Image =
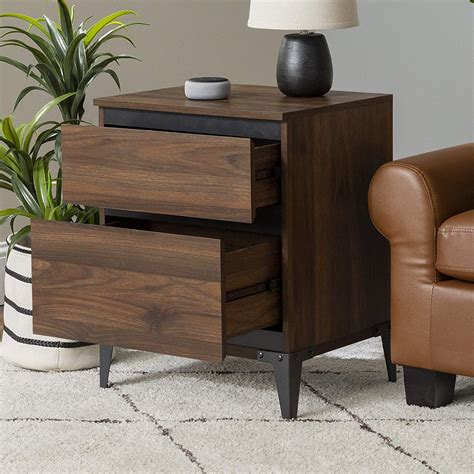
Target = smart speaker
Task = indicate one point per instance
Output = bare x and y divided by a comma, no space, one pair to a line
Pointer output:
207,88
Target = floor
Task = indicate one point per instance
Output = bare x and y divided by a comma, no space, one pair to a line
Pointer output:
165,414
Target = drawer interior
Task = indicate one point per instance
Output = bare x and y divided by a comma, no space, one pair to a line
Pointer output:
251,261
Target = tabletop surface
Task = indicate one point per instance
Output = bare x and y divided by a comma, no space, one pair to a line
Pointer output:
246,101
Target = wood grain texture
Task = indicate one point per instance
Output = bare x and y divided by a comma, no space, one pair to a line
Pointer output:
267,163
149,290
129,288
253,264
161,172
246,101
335,264
251,313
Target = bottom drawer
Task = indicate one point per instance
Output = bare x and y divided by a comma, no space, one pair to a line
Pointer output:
153,286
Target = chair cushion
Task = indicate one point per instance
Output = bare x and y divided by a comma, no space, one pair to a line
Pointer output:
456,247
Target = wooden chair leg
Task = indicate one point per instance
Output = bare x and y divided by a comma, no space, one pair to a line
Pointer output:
428,388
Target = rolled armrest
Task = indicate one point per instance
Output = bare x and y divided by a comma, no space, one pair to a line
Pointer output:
408,201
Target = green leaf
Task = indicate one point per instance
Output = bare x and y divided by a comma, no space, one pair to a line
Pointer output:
18,211
52,81
46,108
9,132
37,54
25,92
20,66
101,24
69,62
18,237
90,76
10,163
48,49
114,76
66,21
26,198
56,38
30,20
59,186
6,186
111,35
4,167
42,180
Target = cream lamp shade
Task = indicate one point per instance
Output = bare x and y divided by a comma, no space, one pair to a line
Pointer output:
303,14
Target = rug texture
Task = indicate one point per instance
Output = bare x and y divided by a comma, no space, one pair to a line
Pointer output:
166,414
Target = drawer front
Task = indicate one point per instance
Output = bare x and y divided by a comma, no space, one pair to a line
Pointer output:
178,174
163,288
128,288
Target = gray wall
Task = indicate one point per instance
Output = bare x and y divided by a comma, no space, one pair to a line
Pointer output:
419,50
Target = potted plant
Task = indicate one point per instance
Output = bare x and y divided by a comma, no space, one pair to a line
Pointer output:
67,59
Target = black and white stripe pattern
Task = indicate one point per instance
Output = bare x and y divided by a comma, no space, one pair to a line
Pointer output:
17,276
20,344
18,308
42,343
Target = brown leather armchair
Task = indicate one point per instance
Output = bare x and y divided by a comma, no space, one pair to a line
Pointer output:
424,206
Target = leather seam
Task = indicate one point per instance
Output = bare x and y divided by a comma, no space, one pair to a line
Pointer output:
431,324
460,230
455,268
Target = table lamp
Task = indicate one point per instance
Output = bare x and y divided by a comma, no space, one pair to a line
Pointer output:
304,63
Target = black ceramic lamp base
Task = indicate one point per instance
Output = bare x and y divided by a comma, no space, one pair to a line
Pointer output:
304,65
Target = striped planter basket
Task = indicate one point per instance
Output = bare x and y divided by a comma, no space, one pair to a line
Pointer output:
20,345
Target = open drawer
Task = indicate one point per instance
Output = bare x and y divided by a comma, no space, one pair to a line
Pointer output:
179,174
153,286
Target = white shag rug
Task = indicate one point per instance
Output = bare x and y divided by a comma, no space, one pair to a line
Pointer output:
172,415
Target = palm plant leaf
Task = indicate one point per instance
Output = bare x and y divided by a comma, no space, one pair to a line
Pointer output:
66,17
43,184
26,197
30,20
9,132
25,92
45,45
111,35
104,22
70,61
67,58
18,211
56,38
21,67
32,126
17,237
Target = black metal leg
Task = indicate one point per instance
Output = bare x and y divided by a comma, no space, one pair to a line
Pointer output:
287,369
391,368
428,388
105,361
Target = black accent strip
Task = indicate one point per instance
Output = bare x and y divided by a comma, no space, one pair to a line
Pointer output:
36,342
12,304
22,250
189,123
17,276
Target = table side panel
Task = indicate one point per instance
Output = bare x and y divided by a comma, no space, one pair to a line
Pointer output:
335,264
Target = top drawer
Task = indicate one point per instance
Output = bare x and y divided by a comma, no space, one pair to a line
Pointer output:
180,174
